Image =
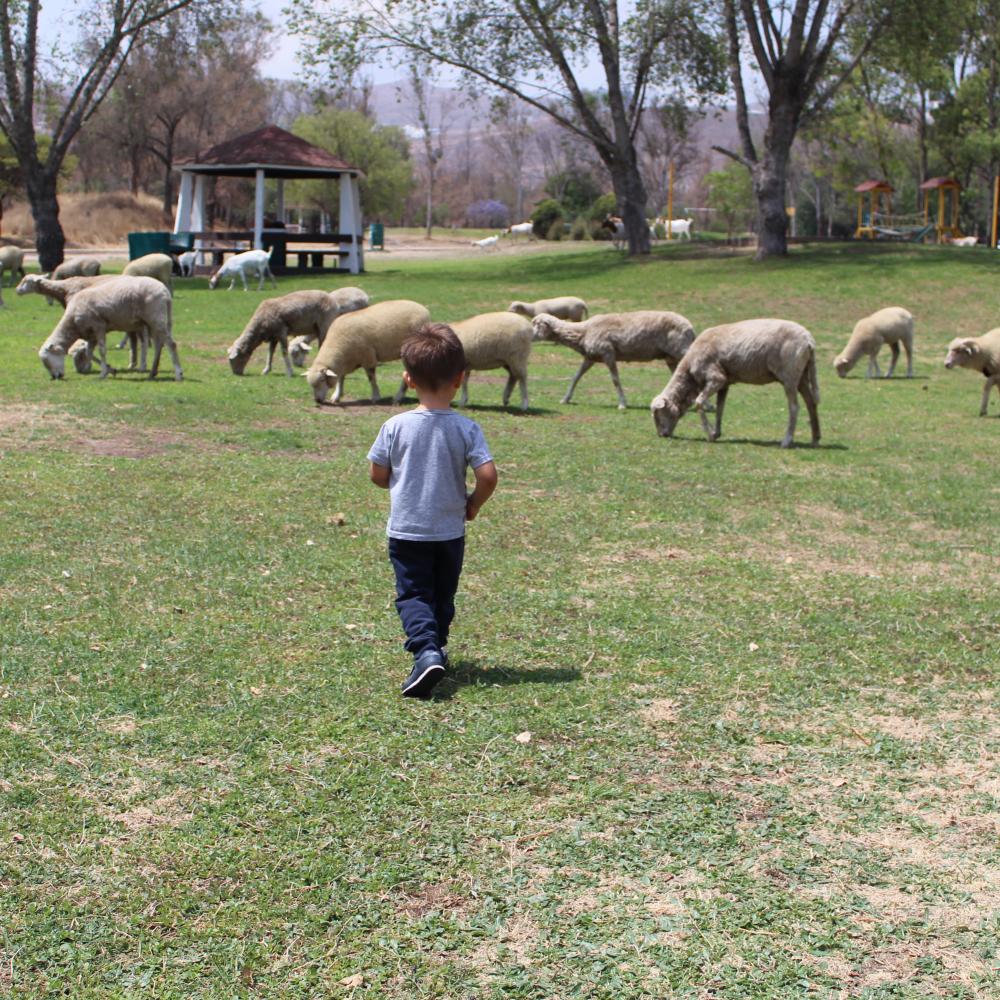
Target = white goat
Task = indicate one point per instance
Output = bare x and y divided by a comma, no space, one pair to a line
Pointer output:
756,351
676,227
487,243
614,337
521,229
256,262
186,262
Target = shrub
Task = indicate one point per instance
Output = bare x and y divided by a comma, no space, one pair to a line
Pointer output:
556,231
545,214
580,230
659,231
603,207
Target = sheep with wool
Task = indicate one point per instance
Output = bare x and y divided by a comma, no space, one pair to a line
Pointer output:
981,354
892,326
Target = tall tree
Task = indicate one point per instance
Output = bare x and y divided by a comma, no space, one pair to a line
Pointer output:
534,51
110,29
799,47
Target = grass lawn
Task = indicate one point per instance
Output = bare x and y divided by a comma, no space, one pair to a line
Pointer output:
722,719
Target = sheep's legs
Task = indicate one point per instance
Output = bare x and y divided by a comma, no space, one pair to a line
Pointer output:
991,380
376,395
908,347
895,357
102,353
581,371
791,394
463,399
714,386
172,347
401,393
284,353
873,369
720,405
806,390
143,349
270,357
613,368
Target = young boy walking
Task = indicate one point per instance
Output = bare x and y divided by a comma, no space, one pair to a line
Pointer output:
421,458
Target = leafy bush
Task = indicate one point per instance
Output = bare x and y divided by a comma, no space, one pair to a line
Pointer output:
545,213
580,230
659,231
603,207
556,231
488,214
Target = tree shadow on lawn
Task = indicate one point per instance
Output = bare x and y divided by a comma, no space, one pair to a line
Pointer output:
796,445
468,673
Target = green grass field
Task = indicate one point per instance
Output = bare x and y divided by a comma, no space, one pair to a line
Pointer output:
722,719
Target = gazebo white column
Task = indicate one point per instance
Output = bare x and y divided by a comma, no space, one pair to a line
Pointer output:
182,220
196,219
258,211
349,223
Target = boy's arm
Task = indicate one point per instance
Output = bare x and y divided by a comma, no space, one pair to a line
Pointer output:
486,483
380,475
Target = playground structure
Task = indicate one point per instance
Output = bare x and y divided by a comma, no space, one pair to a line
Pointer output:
946,226
875,218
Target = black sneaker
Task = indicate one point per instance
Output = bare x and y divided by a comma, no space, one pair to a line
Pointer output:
427,671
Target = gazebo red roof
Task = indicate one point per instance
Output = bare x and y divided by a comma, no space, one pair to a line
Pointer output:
271,149
874,186
940,182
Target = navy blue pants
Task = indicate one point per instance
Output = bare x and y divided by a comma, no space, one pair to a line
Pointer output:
426,580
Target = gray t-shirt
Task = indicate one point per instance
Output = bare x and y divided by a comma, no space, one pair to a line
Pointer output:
428,452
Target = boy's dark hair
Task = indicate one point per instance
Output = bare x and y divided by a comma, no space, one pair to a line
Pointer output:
433,356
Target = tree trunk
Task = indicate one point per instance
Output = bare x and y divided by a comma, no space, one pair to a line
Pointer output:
769,182
49,238
631,195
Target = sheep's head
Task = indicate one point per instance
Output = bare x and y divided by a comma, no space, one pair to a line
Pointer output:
27,284
321,381
520,308
54,359
666,413
214,280
82,357
543,326
298,351
960,352
843,366
238,358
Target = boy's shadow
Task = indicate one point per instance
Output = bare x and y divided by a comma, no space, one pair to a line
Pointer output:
468,673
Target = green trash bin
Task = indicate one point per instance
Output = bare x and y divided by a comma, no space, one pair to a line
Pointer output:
376,236
140,244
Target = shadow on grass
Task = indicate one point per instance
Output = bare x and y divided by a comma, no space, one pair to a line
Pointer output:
883,380
796,445
468,673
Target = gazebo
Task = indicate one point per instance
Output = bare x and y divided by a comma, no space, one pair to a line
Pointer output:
271,152
944,229
868,222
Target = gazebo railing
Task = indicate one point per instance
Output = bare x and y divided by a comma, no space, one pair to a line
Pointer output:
309,248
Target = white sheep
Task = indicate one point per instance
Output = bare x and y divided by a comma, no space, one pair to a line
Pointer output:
487,243
362,339
494,340
186,262
964,241
298,351
138,305
82,356
308,313
614,337
892,326
981,354
521,229
77,267
152,265
11,259
564,307
256,262
756,351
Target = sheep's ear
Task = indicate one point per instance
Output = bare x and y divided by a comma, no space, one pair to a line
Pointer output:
966,347
658,404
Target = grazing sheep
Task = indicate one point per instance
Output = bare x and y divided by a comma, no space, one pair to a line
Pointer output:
487,243
153,265
186,262
256,262
614,337
982,354
77,267
892,326
11,259
59,291
494,340
138,305
565,307
362,339
309,313
298,351
82,356
756,351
